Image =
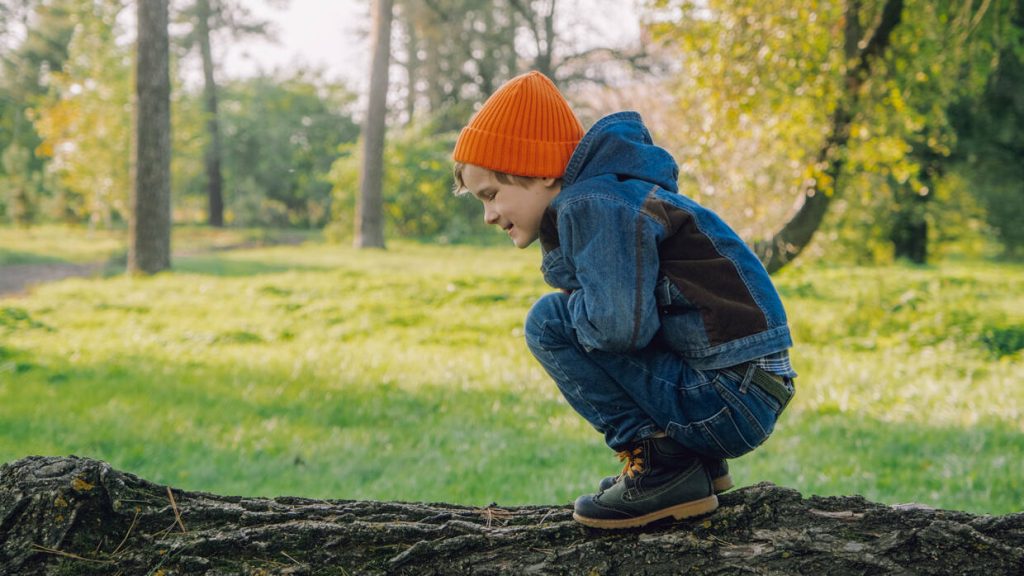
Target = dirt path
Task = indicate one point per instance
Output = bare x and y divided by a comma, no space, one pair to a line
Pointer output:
18,279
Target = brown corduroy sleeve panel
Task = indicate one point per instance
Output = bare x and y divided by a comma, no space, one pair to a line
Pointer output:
705,277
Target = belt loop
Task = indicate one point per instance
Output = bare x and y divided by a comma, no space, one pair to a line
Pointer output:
747,377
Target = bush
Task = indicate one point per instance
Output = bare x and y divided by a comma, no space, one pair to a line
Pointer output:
418,199
1003,340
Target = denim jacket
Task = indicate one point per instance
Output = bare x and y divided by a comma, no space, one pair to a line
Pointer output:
646,265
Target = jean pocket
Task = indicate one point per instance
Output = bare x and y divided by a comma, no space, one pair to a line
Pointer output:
723,435
765,398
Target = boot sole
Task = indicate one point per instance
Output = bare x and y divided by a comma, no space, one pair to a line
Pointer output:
679,512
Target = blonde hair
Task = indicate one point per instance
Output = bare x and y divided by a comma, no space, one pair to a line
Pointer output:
459,189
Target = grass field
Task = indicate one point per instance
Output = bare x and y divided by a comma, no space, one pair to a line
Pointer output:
326,372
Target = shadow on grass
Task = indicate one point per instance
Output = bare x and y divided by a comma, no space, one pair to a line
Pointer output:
215,265
12,257
259,432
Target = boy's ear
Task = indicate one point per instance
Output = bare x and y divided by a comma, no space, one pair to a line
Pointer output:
549,182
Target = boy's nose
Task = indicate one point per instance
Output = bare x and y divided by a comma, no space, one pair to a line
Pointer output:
490,216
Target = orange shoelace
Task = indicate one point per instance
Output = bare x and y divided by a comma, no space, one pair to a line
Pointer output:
634,461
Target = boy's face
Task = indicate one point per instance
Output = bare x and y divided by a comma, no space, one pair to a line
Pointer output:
516,207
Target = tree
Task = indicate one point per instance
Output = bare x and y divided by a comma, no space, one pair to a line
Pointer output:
370,208
281,135
806,99
149,248
457,52
20,185
204,18
75,515
860,49
418,199
85,119
990,131
213,147
942,52
34,39
452,55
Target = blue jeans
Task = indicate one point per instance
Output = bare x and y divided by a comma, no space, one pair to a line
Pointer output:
629,396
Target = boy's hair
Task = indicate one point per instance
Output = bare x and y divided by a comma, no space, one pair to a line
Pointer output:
459,189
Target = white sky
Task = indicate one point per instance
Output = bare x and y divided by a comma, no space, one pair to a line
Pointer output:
332,35
325,34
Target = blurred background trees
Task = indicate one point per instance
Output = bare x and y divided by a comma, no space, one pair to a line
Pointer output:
913,149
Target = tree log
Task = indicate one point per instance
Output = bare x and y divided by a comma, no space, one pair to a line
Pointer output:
80,516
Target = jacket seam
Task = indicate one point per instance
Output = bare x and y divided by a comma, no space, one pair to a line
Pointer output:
638,288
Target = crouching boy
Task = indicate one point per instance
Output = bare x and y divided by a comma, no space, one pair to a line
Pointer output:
667,335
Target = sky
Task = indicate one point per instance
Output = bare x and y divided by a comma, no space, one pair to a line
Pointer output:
332,35
325,34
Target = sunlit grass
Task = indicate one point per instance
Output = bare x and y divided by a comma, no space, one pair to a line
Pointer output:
324,371
52,243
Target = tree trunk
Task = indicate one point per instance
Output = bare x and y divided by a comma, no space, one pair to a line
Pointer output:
75,515
909,232
370,207
149,248
817,194
412,70
214,179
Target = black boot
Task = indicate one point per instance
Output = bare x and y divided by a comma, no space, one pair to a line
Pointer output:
661,479
718,470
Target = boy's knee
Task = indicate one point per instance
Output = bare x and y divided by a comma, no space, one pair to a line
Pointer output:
549,308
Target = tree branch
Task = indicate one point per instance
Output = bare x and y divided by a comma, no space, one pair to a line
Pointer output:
878,39
817,192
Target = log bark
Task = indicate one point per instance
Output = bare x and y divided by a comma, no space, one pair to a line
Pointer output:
80,516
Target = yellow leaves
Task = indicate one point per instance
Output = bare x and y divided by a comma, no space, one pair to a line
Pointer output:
860,132
816,179
895,99
85,121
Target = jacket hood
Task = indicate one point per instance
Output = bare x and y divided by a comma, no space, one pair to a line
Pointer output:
620,145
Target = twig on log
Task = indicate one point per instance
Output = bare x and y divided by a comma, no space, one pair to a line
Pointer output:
127,534
55,552
177,515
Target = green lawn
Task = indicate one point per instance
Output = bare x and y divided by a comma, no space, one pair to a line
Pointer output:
50,244
326,372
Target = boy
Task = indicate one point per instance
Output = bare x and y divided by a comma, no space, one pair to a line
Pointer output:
667,335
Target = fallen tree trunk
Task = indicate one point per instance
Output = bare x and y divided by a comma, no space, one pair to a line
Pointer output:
80,516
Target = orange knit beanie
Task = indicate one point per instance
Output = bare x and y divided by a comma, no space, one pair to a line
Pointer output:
526,128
